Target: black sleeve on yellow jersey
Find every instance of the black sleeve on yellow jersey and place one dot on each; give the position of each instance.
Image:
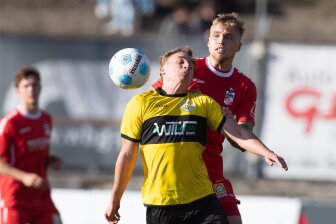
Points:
(130, 139)
(221, 124)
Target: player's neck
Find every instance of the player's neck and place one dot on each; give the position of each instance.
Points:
(222, 66)
(173, 89)
(29, 108)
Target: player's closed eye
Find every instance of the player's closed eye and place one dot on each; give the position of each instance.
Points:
(216, 35)
(183, 60)
(228, 37)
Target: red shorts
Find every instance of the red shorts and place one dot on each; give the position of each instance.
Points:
(224, 192)
(27, 215)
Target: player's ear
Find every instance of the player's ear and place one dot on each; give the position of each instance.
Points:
(239, 47)
(162, 72)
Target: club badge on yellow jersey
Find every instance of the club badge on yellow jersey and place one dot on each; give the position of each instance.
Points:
(187, 105)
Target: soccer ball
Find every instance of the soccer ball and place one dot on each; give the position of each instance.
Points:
(129, 68)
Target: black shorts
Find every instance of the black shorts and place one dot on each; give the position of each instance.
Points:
(207, 210)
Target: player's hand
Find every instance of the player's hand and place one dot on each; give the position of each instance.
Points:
(227, 112)
(112, 213)
(34, 181)
(274, 158)
(54, 162)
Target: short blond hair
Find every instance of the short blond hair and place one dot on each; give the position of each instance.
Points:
(232, 19)
(185, 49)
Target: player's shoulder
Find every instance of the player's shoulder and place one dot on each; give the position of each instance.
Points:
(200, 61)
(45, 114)
(142, 97)
(196, 93)
(202, 68)
(199, 58)
(243, 77)
(146, 93)
(10, 116)
(201, 96)
(8, 119)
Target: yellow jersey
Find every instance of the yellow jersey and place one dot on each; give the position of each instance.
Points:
(172, 131)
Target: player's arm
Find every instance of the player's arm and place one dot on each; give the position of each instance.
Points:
(123, 171)
(248, 126)
(246, 110)
(250, 142)
(27, 179)
(9, 170)
(53, 161)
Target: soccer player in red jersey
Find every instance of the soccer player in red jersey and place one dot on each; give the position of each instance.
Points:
(216, 76)
(24, 157)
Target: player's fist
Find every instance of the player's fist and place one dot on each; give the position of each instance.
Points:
(227, 112)
(35, 181)
(112, 213)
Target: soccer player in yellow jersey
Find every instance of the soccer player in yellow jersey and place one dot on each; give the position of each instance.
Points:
(170, 124)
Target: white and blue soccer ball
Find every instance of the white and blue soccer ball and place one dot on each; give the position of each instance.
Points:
(129, 68)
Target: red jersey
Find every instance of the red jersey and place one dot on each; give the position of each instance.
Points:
(231, 89)
(24, 144)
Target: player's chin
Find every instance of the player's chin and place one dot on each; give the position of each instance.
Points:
(218, 57)
(33, 101)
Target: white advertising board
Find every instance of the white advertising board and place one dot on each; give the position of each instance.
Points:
(88, 207)
(300, 110)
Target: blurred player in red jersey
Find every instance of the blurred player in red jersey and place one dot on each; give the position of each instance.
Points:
(24, 158)
(216, 76)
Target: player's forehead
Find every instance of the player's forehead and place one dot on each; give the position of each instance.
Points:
(225, 27)
(180, 55)
(28, 80)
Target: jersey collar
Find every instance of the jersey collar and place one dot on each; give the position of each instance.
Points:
(221, 74)
(163, 93)
(28, 115)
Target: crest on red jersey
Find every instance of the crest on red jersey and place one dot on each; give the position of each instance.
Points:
(47, 129)
(229, 96)
(220, 190)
